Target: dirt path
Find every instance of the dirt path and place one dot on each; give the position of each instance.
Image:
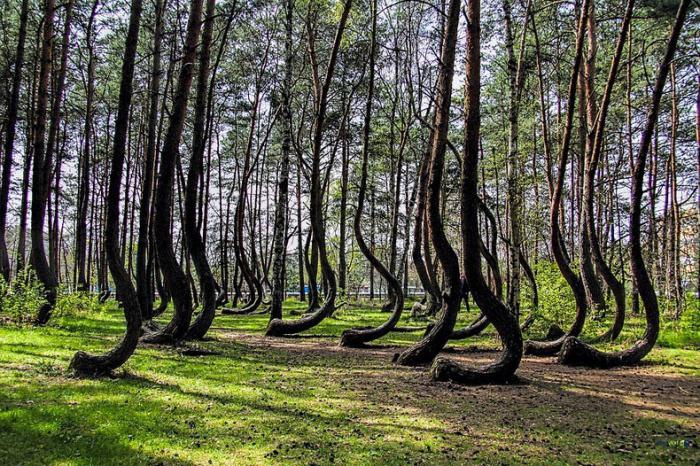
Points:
(625, 411)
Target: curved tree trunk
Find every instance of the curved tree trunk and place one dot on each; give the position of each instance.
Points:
(432, 294)
(575, 352)
(193, 237)
(549, 348)
(175, 279)
(244, 263)
(587, 123)
(491, 257)
(616, 287)
(144, 251)
(504, 320)
(83, 363)
(481, 322)
(279, 327)
(357, 336)
(431, 344)
(311, 266)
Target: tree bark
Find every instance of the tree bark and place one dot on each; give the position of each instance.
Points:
(616, 287)
(279, 327)
(430, 345)
(504, 320)
(360, 336)
(12, 111)
(83, 363)
(81, 281)
(144, 253)
(41, 171)
(548, 348)
(576, 352)
(281, 209)
(175, 279)
(195, 243)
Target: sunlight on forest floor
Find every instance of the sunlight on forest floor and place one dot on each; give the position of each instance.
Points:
(304, 400)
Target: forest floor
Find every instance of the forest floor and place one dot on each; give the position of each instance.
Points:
(304, 400)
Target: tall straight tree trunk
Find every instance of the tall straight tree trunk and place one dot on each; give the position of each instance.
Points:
(514, 195)
(673, 275)
(344, 181)
(83, 363)
(300, 247)
(85, 157)
(175, 279)
(12, 111)
(41, 170)
(281, 209)
(576, 352)
(395, 184)
(52, 144)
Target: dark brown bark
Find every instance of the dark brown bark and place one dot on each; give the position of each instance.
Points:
(514, 195)
(175, 279)
(300, 248)
(360, 336)
(281, 209)
(549, 348)
(144, 251)
(245, 263)
(12, 111)
(52, 144)
(41, 170)
(83, 363)
(587, 121)
(503, 319)
(575, 352)
(616, 287)
(193, 238)
(431, 344)
(81, 281)
(433, 301)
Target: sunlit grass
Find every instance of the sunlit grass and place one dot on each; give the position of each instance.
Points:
(254, 404)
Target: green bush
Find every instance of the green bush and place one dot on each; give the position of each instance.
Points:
(557, 305)
(21, 299)
(685, 332)
(76, 303)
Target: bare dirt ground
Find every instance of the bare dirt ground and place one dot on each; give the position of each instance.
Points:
(644, 414)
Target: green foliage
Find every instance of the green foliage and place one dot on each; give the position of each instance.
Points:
(76, 304)
(21, 298)
(556, 299)
(684, 332)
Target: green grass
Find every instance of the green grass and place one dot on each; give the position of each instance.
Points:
(295, 401)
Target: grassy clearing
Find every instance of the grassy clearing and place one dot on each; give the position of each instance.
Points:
(305, 401)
